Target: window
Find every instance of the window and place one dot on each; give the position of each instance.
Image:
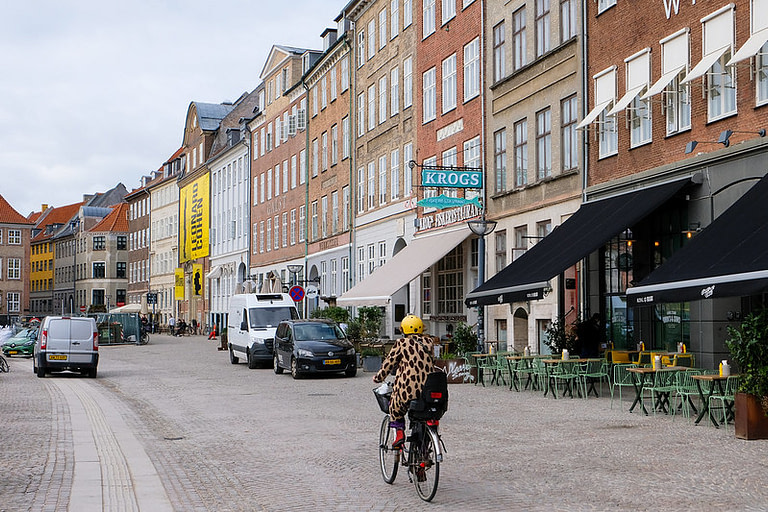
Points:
(605, 91)
(333, 83)
(285, 176)
(335, 211)
(426, 290)
(344, 74)
(382, 99)
(294, 171)
(407, 82)
(472, 69)
(519, 47)
(638, 79)
(302, 166)
(449, 83)
(99, 270)
(371, 185)
(472, 153)
(394, 9)
(324, 216)
(323, 92)
(285, 229)
(372, 107)
(120, 270)
(345, 208)
(429, 96)
(315, 158)
(449, 10)
(361, 114)
(521, 242)
(345, 137)
(122, 242)
(361, 190)
(542, 27)
(569, 135)
(501, 250)
(344, 274)
(429, 18)
(407, 172)
(382, 253)
(360, 48)
(371, 258)
(383, 180)
(334, 144)
(450, 282)
(276, 225)
(394, 94)
(499, 56)
(302, 223)
(394, 186)
(567, 19)
(371, 38)
(676, 96)
(500, 159)
(324, 137)
(721, 90)
(544, 144)
(604, 4)
(314, 100)
(277, 180)
(407, 13)
(14, 268)
(13, 301)
(99, 243)
(293, 226)
(382, 28)
(521, 153)
(450, 157)
(360, 263)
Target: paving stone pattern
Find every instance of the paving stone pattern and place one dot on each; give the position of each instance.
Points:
(226, 438)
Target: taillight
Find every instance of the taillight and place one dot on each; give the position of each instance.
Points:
(44, 339)
(436, 395)
(433, 423)
(95, 340)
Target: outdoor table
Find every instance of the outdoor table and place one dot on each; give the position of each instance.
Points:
(549, 363)
(714, 381)
(514, 379)
(477, 366)
(639, 376)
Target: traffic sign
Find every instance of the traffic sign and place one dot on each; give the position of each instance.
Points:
(311, 291)
(296, 293)
(82, 309)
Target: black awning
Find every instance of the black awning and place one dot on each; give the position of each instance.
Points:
(584, 232)
(729, 258)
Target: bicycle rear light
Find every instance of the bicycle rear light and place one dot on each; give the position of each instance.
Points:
(436, 395)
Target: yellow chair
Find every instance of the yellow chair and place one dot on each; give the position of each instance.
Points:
(644, 359)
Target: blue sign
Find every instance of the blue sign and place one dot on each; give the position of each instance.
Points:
(296, 293)
(454, 179)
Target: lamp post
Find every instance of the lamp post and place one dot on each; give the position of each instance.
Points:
(294, 269)
(482, 228)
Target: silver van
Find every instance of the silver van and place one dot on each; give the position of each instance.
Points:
(67, 343)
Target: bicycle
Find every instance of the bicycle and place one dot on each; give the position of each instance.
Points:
(424, 451)
(4, 368)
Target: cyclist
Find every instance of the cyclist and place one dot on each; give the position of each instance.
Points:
(412, 358)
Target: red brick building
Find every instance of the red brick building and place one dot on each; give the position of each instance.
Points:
(15, 236)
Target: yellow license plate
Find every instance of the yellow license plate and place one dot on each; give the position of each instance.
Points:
(11, 352)
(57, 357)
(332, 361)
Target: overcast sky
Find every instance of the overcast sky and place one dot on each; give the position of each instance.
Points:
(95, 92)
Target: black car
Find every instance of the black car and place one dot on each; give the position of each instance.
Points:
(313, 346)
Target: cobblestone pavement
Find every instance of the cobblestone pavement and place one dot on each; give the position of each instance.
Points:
(226, 438)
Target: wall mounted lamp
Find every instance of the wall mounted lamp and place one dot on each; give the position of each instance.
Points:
(693, 228)
(692, 145)
(725, 136)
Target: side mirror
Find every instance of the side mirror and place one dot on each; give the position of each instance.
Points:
(243, 325)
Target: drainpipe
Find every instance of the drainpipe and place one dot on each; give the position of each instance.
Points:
(306, 187)
(583, 283)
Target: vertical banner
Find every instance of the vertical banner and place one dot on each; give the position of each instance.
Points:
(179, 284)
(194, 225)
(197, 280)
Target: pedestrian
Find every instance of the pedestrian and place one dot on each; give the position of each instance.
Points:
(412, 358)
(194, 326)
(171, 324)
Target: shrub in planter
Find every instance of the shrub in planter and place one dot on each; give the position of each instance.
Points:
(748, 345)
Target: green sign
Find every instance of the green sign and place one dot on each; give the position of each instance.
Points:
(454, 179)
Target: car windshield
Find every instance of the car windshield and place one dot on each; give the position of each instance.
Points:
(304, 332)
(260, 318)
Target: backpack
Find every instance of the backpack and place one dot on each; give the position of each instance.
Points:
(432, 402)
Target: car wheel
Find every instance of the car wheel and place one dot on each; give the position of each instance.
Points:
(92, 372)
(251, 361)
(276, 365)
(295, 369)
(351, 373)
(40, 372)
(232, 358)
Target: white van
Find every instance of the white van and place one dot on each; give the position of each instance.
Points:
(67, 343)
(251, 322)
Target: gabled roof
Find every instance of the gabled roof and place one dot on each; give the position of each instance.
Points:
(277, 54)
(10, 216)
(116, 221)
(232, 121)
(34, 216)
(56, 215)
(209, 115)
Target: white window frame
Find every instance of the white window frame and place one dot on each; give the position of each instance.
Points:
(472, 69)
(429, 96)
(407, 82)
(449, 83)
(382, 99)
(428, 18)
(394, 93)
(448, 10)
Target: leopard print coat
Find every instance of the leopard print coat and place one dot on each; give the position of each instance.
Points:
(412, 357)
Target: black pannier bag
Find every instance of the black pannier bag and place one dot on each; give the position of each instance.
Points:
(433, 401)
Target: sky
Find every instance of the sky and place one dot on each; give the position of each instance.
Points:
(95, 92)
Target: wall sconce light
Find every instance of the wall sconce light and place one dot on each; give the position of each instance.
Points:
(692, 145)
(693, 228)
(725, 136)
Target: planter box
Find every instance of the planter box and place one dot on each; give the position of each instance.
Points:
(750, 419)
(458, 370)
(371, 363)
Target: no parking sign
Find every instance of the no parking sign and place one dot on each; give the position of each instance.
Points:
(296, 293)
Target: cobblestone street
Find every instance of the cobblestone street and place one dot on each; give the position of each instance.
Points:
(224, 438)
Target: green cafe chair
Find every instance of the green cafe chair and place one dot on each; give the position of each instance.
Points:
(621, 379)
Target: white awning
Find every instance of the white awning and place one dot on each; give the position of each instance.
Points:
(128, 308)
(626, 99)
(214, 273)
(662, 83)
(593, 114)
(751, 47)
(704, 65)
(377, 289)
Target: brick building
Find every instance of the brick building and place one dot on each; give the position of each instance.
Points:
(15, 237)
(139, 240)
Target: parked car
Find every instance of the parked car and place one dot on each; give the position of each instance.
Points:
(67, 343)
(313, 346)
(22, 343)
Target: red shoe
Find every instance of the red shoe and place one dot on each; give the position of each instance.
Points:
(399, 439)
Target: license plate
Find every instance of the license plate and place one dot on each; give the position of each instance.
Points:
(11, 352)
(57, 357)
(332, 361)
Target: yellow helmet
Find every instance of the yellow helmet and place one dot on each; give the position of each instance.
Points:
(412, 324)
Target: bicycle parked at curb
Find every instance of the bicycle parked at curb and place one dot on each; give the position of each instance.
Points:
(423, 450)
(4, 368)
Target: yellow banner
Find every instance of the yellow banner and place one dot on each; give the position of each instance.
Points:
(194, 210)
(179, 284)
(197, 280)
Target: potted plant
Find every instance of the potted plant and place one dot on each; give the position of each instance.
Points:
(748, 345)
(371, 359)
(559, 337)
(455, 364)
(363, 332)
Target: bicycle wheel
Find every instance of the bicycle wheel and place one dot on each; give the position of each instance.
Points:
(144, 338)
(424, 465)
(388, 456)
(4, 365)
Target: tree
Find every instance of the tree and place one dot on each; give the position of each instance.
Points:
(365, 328)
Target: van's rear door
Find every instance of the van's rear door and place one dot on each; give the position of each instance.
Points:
(58, 345)
(81, 340)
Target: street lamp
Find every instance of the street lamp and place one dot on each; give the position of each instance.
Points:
(482, 228)
(294, 269)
